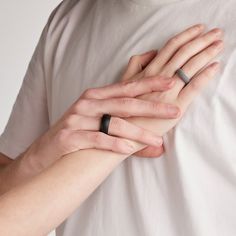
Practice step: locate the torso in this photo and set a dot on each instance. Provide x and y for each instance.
(191, 189)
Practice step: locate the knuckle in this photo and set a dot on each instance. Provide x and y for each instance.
(154, 106)
(69, 121)
(89, 93)
(117, 144)
(96, 137)
(195, 85)
(185, 49)
(128, 88)
(126, 102)
(173, 42)
(81, 104)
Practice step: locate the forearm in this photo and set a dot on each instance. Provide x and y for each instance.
(56, 192)
(16, 172)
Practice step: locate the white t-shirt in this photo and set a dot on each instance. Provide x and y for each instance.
(191, 190)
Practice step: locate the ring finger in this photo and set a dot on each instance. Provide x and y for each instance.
(198, 62)
(117, 127)
(189, 50)
(171, 47)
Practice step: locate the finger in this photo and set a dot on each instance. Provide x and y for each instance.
(122, 128)
(79, 140)
(77, 122)
(195, 86)
(130, 88)
(171, 47)
(193, 66)
(138, 63)
(125, 107)
(150, 151)
(191, 49)
(117, 127)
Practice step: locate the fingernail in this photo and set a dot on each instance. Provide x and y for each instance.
(219, 44)
(215, 65)
(154, 50)
(200, 26)
(151, 51)
(173, 110)
(217, 32)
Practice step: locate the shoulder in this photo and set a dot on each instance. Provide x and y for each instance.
(67, 12)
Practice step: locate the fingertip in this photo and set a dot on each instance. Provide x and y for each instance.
(214, 68)
(174, 111)
(215, 65)
(153, 51)
(201, 26)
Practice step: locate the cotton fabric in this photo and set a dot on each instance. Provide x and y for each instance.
(190, 190)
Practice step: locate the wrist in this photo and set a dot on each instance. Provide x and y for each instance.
(31, 161)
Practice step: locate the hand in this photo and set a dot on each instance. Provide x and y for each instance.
(78, 127)
(190, 50)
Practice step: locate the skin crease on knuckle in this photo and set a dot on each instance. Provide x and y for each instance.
(79, 105)
(129, 88)
(126, 102)
(96, 138)
(89, 93)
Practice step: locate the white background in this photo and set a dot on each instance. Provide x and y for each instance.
(21, 23)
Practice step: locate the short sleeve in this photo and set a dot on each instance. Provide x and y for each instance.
(29, 116)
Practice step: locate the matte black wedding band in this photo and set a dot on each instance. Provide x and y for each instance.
(105, 121)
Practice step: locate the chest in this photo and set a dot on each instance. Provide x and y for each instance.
(97, 50)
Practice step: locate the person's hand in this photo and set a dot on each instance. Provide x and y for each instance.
(78, 128)
(190, 50)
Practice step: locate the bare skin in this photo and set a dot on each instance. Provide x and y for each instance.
(71, 179)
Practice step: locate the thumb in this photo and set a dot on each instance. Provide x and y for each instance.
(150, 152)
(137, 63)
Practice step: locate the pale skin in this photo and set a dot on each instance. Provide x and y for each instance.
(67, 182)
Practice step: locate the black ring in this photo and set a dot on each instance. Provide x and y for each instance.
(105, 121)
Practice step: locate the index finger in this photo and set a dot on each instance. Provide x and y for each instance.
(131, 88)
